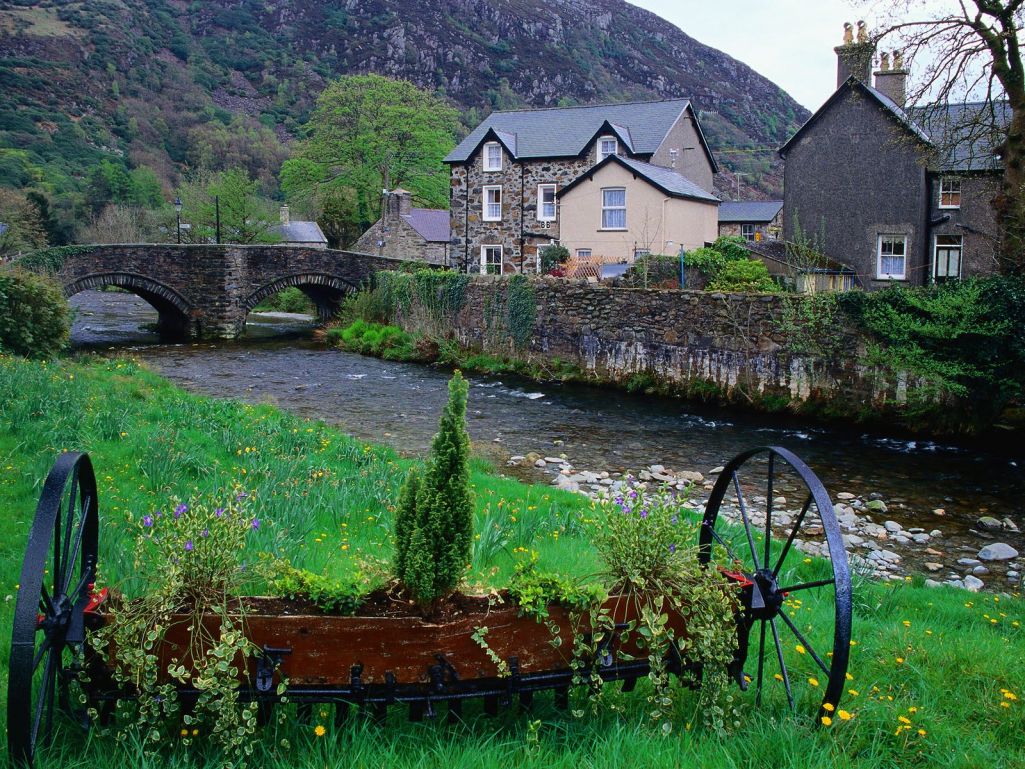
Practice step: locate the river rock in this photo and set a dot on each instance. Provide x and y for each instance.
(935, 533)
(564, 483)
(779, 502)
(691, 476)
(933, 583)
(555, 460)
(980, 571)
(973, 584)
(969, 562)
(892, 526)
(921, 539)
(998, 551)
(989, 523)
(1011, 525)
(716, 470)
(846, 496)
(933, 566)
(540, 463)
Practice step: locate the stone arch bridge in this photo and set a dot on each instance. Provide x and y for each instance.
(207, 291)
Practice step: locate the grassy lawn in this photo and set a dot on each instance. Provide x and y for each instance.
(948, 663)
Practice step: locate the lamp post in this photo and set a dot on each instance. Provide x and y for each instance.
(178, 217)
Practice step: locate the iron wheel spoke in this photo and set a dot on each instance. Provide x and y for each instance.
(804, 641)
(747, 523)
(721, 541)
(74, 595)
(78, 544)
(768, 510)
(808, 585)
(45, 696)
(793, 534)
(72, 500)
(45, 603)
(57, 573)
(782, 664)
(761, 663)
(44, 647)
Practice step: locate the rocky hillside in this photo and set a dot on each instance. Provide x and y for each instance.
(169, 84)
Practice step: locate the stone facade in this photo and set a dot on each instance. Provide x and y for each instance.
(393, 236)
(206, 291)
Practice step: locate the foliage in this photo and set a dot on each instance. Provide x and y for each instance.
(749, 276)
(813, 324)
(23, 225)
(370, 132)
(330, 594)
(290, 299)
(245, 216)
(434, 523)
(128, 224)
(710, 260)
(388, 342)
(192, 556)
(653, 271)
(644, 540)
(552, 258)
(521, 305)
(35, 318)
(534, 590)
(962, 338)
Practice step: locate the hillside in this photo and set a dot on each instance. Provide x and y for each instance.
(170, 84)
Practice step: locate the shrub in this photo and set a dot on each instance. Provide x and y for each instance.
(434, 520)
(35, 318)
(552, 258)
(290, 299)
(388, 342)
(750, 275)
(653, 271)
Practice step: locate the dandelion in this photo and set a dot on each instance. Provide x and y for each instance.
(319, 730)
(827, 721)
(1005, 704)
(853, 692)
(921, 732)
(828, 707)
(147, 521)
(185, 732)
(900, 660)
(904, 720)
(1009, 695)
(778, 677)
(800, 649)
(813, 681)
(844, 715)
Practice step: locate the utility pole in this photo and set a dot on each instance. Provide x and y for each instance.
(738, 174)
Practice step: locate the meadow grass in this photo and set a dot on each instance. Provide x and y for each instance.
(949, 663)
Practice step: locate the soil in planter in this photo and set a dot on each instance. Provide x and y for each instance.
(385, 603)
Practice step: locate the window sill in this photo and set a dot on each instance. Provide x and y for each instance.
(891, 278)
(485, 219)
(613, 229)
(492, 170)
(949, 208)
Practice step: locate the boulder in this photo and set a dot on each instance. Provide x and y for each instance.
(989, 523)
(691, 476)
(997, 551)
(892, 526)
(973, 584)
(933, 566)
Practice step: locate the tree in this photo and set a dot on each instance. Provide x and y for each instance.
(967, 49)
(21, 224)
(369, 133)
(123, 224)
(245, 216)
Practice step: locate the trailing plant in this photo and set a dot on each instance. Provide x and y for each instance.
(35, 318)
(192, 556)
(749, 275)
(521, 305)
(51, 260)
(434, 522)
(331, 595)
(640, 537)
(533, 590)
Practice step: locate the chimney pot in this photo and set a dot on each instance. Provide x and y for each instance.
(892, 82)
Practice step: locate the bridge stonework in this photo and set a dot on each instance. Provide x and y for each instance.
(206, 291)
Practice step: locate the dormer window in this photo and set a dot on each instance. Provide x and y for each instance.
(950, 192)
(492, 156)
(607, 145)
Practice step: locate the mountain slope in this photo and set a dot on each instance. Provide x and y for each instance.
(170, 84)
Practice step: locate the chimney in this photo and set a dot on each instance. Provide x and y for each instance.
(854, 57)
(403, 201)
(892, 81)
(284, 214)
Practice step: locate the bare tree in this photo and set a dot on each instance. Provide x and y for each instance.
(969, 50)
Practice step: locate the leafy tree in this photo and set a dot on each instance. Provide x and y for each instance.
(245, 216)
(434, 520)
(965, 50)
(23, 226)
(35, 318)
(369, 133)
(144, 189)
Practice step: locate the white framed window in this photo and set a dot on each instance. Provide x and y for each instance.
(950, 192)
(639, 252)
(947, 257)
(748, 231)
(493, 203)
(613, 208)
(607, 145)
(492, 156)
(583, 253)
(490, 260)
(892, 251)
(546, 202)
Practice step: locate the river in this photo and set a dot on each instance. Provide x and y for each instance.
(597, 429)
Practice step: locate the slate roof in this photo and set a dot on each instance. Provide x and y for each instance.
(665, 179)
(737, 211)
(432, 224)
(566, 131)
(966, 142)
(299, 232)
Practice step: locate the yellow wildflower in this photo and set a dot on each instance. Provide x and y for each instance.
(827, 721)
(319, 730)
(844, 715)
(828, 707)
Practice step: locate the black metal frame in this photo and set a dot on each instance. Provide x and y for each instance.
(47, 627)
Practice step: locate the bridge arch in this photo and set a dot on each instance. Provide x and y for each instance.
(325, 291)
(176, 317)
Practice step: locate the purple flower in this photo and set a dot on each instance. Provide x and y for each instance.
(240, 496)
(644, 512)
(147, 520)
(627, 510)
(180, 509)
(188, 545)
(256, 524)
(206, 532)
(219, 512)
(672, 548)
(674, 520)
(618, 501)
(633, 495)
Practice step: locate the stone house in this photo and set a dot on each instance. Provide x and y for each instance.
(405, 232)
(751, 220)
(623, 208)
(898, 194)
(298, 233)
(506, 174)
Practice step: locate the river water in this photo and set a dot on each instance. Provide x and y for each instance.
(279, 362)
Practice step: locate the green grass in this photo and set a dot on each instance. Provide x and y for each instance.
(149, 440)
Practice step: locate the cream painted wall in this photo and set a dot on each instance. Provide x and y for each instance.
(652, 218)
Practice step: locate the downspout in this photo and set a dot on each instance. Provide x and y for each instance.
(662, 226)
(927, 230)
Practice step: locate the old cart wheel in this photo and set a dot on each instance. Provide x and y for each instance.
(798, 606)
(48, 638)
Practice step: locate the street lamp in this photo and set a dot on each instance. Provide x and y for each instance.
(178, 216)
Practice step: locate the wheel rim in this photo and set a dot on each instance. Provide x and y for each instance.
(48, 636)
(795, 618)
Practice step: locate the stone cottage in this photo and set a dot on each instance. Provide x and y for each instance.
(294, 232)
(406, 232)
(506, 175)
(899, 194)
(752, 220)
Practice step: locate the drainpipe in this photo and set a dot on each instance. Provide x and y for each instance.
(466, 220)
(522, 201)
(927, 229)
(662, 225)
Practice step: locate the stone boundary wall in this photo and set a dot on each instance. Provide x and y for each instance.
(729, 347)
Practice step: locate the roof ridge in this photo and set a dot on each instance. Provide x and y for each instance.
(591, 106)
